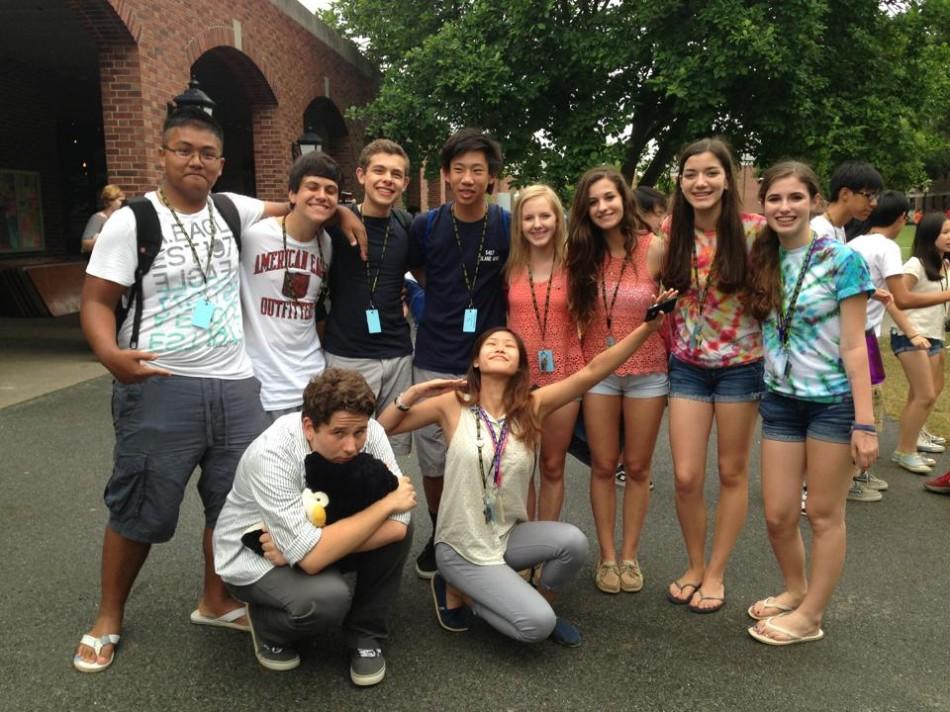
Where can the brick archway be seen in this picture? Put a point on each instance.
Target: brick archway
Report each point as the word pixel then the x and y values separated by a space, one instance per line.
pixel 240 54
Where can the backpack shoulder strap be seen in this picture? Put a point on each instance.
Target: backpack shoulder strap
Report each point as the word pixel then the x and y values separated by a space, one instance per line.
pixel 403 217
pixel 224 205
pixel 148 242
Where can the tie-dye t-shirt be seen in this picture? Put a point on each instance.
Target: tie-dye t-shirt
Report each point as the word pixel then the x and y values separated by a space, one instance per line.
pixel 817 373
pixel 725 334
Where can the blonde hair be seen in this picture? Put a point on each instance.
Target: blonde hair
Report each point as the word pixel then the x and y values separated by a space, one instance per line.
pixel 109 193
pixel 520 250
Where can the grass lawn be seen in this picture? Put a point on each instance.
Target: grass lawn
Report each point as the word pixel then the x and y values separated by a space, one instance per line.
pixel 906 239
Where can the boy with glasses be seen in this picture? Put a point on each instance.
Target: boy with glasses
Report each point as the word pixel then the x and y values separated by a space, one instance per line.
pixel 855 187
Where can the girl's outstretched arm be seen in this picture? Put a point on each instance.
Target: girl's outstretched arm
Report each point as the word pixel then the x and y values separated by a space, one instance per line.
pixel 422 404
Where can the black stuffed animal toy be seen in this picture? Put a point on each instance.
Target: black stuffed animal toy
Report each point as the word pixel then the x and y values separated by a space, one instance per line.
pixel 351 486
pixel 335 491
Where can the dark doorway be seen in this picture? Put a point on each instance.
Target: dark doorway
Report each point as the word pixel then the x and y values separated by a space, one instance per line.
pixel 220 75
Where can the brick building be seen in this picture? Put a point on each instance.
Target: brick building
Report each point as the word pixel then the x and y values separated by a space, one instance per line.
pixel 85 85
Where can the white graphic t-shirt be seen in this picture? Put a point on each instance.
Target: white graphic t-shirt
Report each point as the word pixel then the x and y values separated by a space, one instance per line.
pixel 279 292
pixel 174 289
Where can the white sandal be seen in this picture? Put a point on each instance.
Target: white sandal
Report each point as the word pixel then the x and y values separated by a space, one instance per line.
pixel 97 644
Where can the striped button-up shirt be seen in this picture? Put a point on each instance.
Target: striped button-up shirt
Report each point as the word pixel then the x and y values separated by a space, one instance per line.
pixel 267 487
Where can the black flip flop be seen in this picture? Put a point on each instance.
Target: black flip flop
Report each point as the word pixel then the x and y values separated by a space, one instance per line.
pixel 682 586
pixel 697 609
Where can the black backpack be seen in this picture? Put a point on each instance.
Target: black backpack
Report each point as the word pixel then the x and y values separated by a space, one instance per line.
pixel 148 242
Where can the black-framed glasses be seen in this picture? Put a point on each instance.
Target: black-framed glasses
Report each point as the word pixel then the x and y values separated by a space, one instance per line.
pixel 206 155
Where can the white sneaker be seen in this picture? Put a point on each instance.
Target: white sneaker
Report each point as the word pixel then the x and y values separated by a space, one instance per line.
pixel 926 444
pixel 871 482
pixel 860 493
pixel 933 438
pixel 804 502
pixel 912 462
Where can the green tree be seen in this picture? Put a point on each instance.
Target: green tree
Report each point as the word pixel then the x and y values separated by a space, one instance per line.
pixel 565 84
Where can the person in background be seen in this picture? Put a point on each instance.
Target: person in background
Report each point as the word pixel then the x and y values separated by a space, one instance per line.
pixel 110 198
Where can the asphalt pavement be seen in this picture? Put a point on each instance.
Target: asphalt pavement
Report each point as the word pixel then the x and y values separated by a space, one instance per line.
pixel 887 646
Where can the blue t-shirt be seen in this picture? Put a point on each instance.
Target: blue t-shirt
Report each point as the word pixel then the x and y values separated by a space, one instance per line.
pixel 441 344
pixel 817 373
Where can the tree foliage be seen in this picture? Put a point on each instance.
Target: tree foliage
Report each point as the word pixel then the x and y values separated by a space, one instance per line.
pixel 566 84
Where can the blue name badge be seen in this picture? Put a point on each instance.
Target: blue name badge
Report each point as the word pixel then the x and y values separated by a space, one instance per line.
pixel 372 321
pixel 546 361
pixel 201 316
pixel 468 324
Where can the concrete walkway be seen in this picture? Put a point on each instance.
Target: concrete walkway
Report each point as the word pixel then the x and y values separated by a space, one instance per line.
pixel 39 356
pixel 885 650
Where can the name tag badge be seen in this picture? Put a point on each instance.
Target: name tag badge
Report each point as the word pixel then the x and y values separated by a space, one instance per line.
pixel 546 361
pixel 372 321
pixel 201 316
pixel 468 323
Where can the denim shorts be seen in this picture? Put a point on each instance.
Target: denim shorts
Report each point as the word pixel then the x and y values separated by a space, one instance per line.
pixel 793 420
pixel 742 383
pixel 165 427
pixel 900 344
pixel 648 385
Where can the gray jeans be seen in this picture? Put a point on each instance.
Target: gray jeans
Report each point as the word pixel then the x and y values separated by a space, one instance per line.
pixel 289 604
pixel 500 596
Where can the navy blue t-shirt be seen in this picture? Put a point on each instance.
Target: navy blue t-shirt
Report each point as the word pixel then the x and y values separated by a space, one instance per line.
pixel 441 345
pixel 347 333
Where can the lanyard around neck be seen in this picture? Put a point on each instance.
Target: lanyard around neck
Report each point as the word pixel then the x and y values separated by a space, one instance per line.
pixel 786 314
pixel 542 323
pixel 205 271
pixel 373 281
pixel 470 284
pixel 499 442
pixel 609 311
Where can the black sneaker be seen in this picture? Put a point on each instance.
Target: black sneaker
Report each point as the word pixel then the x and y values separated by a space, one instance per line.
pixel 367 665
pixel 425 562
pixel 454 620
pixel 273 657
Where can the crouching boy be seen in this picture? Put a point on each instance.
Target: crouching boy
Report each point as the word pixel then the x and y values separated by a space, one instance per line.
pixel 297 589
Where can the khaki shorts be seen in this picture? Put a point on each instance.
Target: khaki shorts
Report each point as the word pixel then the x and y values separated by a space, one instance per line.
pixel 387 378
pixel 429 441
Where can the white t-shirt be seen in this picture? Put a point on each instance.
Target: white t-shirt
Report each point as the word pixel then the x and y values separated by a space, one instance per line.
pixel 883 256
pixel 927 321
pixel 823 228
pixel 281 332
pixel 174 287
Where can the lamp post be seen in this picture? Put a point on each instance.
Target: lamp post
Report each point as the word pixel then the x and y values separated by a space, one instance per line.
pixel 193 97
pixel 308 142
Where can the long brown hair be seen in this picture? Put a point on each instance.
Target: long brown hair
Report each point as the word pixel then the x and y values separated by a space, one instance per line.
pixel 517 397
pixel 765 281
pixel 730 264
pixel 520 252
pixel 586 245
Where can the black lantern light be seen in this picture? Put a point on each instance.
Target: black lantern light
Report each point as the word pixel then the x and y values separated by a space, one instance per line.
pixel 194 97
pixel 308 142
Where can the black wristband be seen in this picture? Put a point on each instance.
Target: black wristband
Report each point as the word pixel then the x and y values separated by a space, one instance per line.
pixel 864 428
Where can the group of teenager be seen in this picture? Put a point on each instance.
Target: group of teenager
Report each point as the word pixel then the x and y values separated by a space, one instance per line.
pixel 268 332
